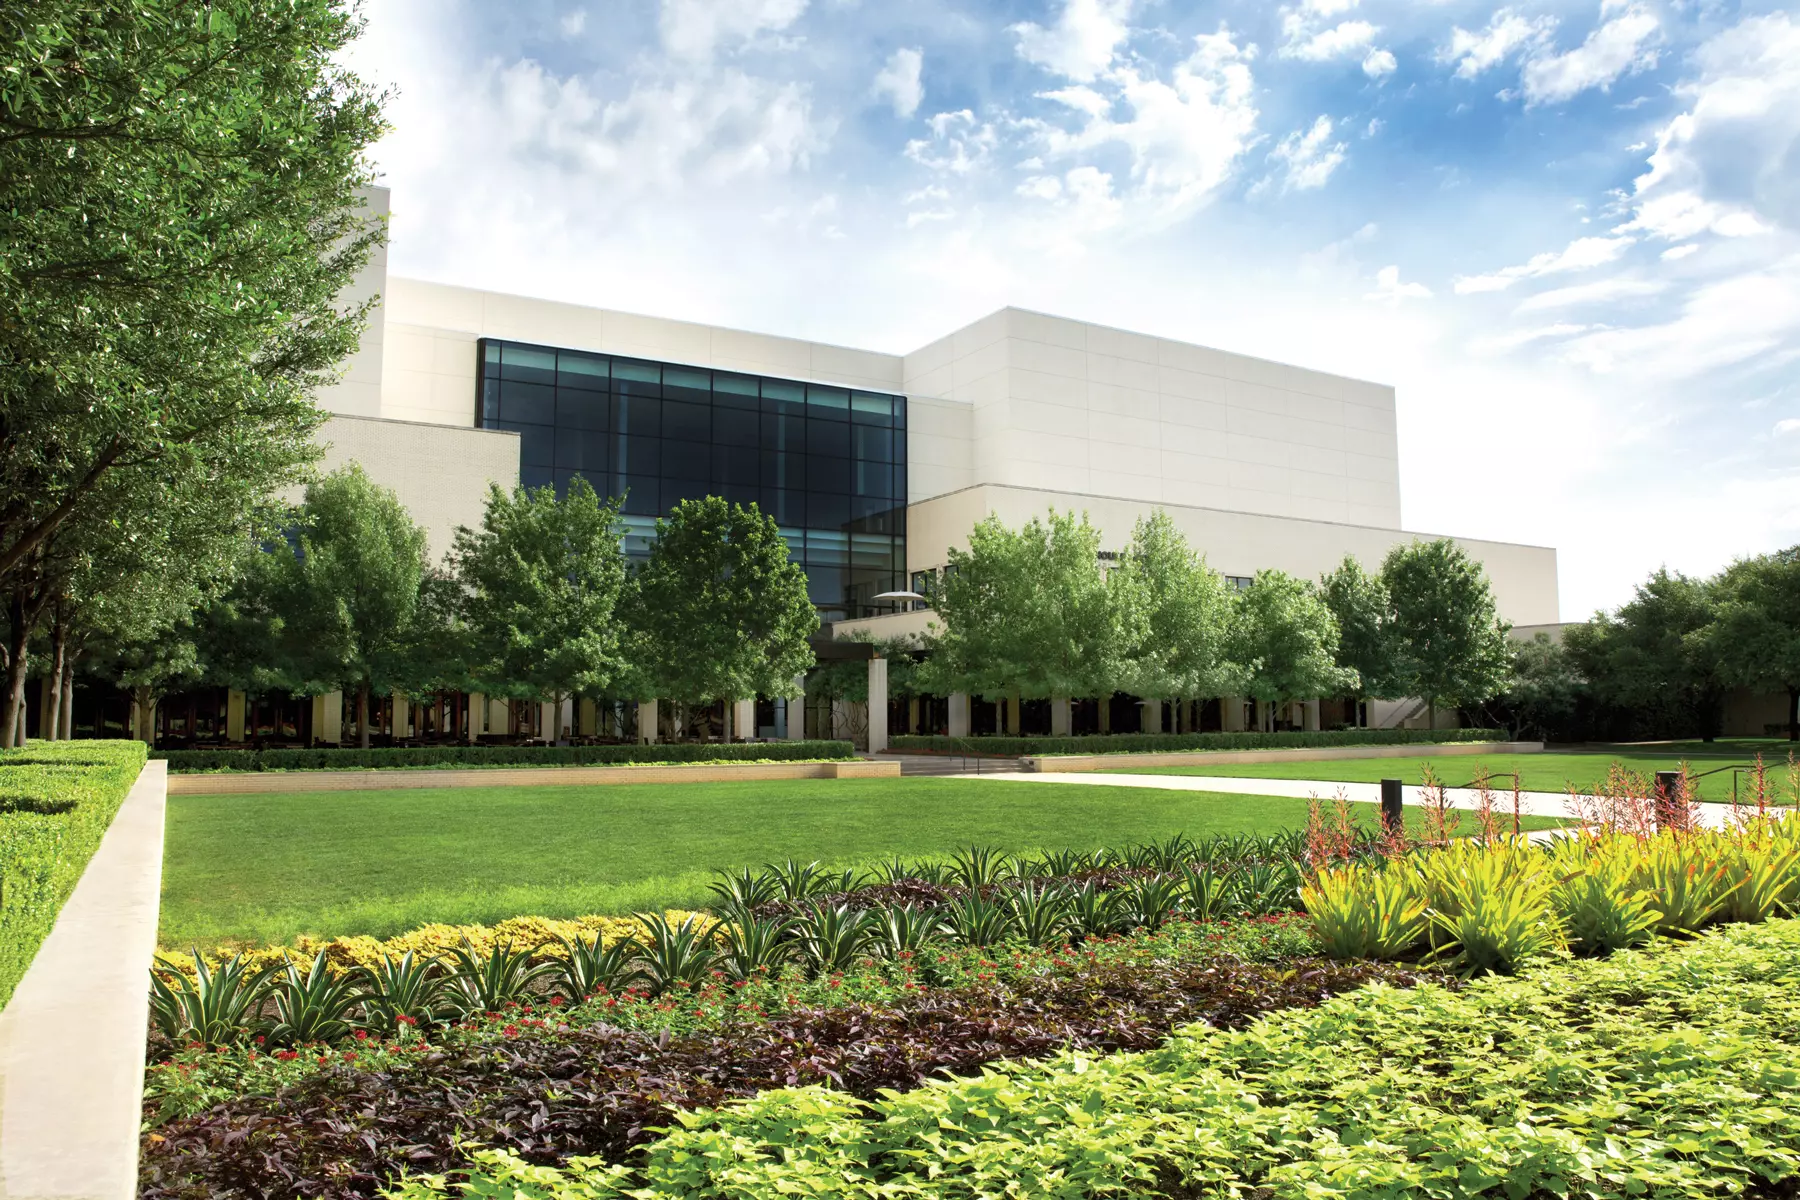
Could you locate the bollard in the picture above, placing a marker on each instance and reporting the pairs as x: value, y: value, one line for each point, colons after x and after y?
x: 1668, y: 796
x: 1392, y: 819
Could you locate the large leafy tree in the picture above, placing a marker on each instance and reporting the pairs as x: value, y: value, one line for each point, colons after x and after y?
x: 1027, y: 611
x: 1448, y: 640
x: 346, y: 591
x: 1546, y: 693
x: 1755, y: 637
x: 848, y: 679
x: 541, y: 579
x: 1286, y: 641
x: 179, y: 212
x: 1359, y: 602
x: 719, y: 611
x: 1174, y: 617
x: 1653, y: 660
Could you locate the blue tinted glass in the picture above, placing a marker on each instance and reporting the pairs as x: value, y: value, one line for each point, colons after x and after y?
x: 527, y: 365
x: 732, y: 427
x: 582, y: 410
x: 532, y: 403
x: 828, y: 402
x: 734, y: 391
x: 783, y: 470
x: 642, y: 494
x: 737, y: 464
x: 490, y: 401
x: 827, y: 511
x: 533, y: 477
x: 686, y: 460
x: 690, y: 421
x: 828, y: 437
x: 490, y: 352
x: 636, y: 378
x: 780, y: 397
x: 866, y: 408
x: 676, y: 490
x: 872, y: 479
x: 637, y: 415
x: 637, y: 456
x: 582, y: 371
x: 825, y: 585
x: 827, y: 473
x: 875, y: 445
x: 537, y: 444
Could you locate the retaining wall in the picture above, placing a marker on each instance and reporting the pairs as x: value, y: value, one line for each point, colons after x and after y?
x: 266, y: 782
x: 1225, y: 758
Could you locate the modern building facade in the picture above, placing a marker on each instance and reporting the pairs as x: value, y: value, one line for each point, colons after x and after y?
x: 876, y: 464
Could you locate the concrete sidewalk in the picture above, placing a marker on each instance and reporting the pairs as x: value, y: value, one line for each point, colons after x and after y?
x: 1534, y: 804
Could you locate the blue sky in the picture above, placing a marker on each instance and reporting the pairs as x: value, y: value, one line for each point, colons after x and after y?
x: 1567, y: 233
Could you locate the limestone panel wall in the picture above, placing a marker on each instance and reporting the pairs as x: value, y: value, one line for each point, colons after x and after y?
x: 440, y: 473
x: 1235, y: 543
x: 358, y: 393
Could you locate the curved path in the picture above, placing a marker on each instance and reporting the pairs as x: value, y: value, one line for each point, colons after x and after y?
x: 1535, y: 804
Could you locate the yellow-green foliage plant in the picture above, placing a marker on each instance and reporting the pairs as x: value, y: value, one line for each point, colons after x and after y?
x: 1687, y: 875
x: 1762, y: 870
x: 56, y: 801
x: 1365, y: 911
x: 1670, y: 1072
x: 1490, y: 905
x: 547, y: 939
x: 1596, y: 894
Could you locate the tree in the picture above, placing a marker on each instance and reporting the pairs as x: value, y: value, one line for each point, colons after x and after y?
x: 1546, y: 689
x: 1448, y: 641
x: 541, y: 579
x: 1286, y: 639
x: 719, y: 611
x: 1027, y: 612
x: 347, y: 592
x: 178, y: 215
x: 1360, y: 604
x: 1174, y: 617
x: 848, y: 679
x: 1755, y: 638
x: 1654, y: 660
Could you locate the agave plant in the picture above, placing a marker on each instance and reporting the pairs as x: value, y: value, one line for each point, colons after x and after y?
x: 1689, y: 884
x: 1170, y: 854
x: 831, y: 937
x: 1491, y: 906
x: 1258, y: 888
x: 1761, y: 874
x: 1363, y: 911
x: 1204, y: 897
x: 749, y: 947
x: 974, y: 920
x: 1060, y: 864
x: 896, y: 870
x: 1039, y: 914
x: 675, y: 955
x: 315, y: 1007
x: 484, y: 983
x: 902, y: 929
x: 980, y: 866
x: 215, y: 1006
x: 794, y: 880
x: 593, y: 967
x: 407, y: 986
x: 1149, y: 902
x: 1093, y: 911
x: 744, y: 889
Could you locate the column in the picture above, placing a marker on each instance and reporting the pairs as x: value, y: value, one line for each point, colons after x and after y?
x: 878, y: 705
x: 234, y: 716
x: 743, y: 719
x: 1105, y: 714
x: 1012, y: 715
x: 1231, y: 713
x: 400, y: 723
x: 796, y: 711
x: 1311, y: 720
x: 1059, y: 716
x: 477, y: 717
x: 328, y: 725
x: 646, y: 722
x: 959, y: 714
x: 912, y: 714
x: 1150, y: 715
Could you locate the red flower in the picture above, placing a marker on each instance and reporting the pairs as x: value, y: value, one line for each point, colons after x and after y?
x: 556, y: 1001
x: 511, y: 1031
x: 362, y: 1035
x: 406, y: 1020
x: 287, y: 1055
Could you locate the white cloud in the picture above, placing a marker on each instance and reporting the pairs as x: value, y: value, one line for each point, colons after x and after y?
x: 1578, y: 255
x: 1501, y: 343
x: 1786, y: 426
x: 696, y: 29
x: 572, y: 23
x: 958, y: 143
x: 1185, y: 134
x: 1600, y: 292
x: 898, y: 81
x: 1506, y: 34
x: 1616, y: 47
x: 1379, y: 63
x: 1309, y: 44
x: 1721, y: 324
x: 1081, y: 202
x: 1082, y: 42
x: 1389, y: 289
x: 1309, y: 158
x: 1677, y: 253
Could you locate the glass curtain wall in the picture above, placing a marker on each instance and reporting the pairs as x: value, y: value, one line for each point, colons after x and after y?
x: 828, y: 463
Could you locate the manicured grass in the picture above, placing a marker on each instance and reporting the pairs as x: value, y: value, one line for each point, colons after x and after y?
x: 1548, y: 772
x: 264, y: 869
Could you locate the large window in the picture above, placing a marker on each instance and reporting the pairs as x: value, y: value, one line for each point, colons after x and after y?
x: 828, y: 463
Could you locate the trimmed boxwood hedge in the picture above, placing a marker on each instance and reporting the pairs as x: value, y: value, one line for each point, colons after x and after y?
x: 328, y: 759
x: 1156, y: 743
x: 56, y: 801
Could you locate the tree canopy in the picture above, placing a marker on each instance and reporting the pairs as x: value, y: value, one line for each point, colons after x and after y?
x: 1173, y: 613
x: 1448, y: 640
x: 1361, y: 606
x: 1755, y: 636
x: 1286, y: 641
x: 1652, y: 658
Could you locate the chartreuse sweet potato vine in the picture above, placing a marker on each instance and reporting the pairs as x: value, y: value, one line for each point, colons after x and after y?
x: 1672, y: 1071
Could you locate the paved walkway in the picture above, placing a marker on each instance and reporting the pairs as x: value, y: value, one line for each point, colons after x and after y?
x: 1536, y: 804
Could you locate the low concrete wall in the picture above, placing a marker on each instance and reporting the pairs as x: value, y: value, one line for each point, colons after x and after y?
x: 72, y: 1038
x: 267, y: 782
x: 1226, y: 758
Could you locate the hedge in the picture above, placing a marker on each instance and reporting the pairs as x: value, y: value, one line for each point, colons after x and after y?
x: 498, y: 756
x: 56, y: 801
x: 1142, y: 743
x: 1672, y: 1072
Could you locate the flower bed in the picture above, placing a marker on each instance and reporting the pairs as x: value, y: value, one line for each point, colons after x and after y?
x: 56, y: 801
x: 1670, y: 1072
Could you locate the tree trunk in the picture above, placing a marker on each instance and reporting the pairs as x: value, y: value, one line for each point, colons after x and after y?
x: 1431, y: 712
x: 53, y: 685
x: 12, y: 710
x: 362, y: 714
x: 1794, y: 714
x: 144, y: 707
x: 68, y: 696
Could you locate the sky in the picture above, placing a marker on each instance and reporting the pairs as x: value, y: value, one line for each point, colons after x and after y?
x: 1568, y: 234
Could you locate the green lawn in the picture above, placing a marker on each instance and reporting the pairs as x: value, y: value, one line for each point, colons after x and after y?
x: 1549, y: 772
x: 263, y: 869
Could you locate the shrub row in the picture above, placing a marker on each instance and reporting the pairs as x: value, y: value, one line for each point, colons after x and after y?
x: 328, y: 759
x: 1143, y: 743
x: 56, y: 801
x: 1672, y: 1072
x: 556, y: 1094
